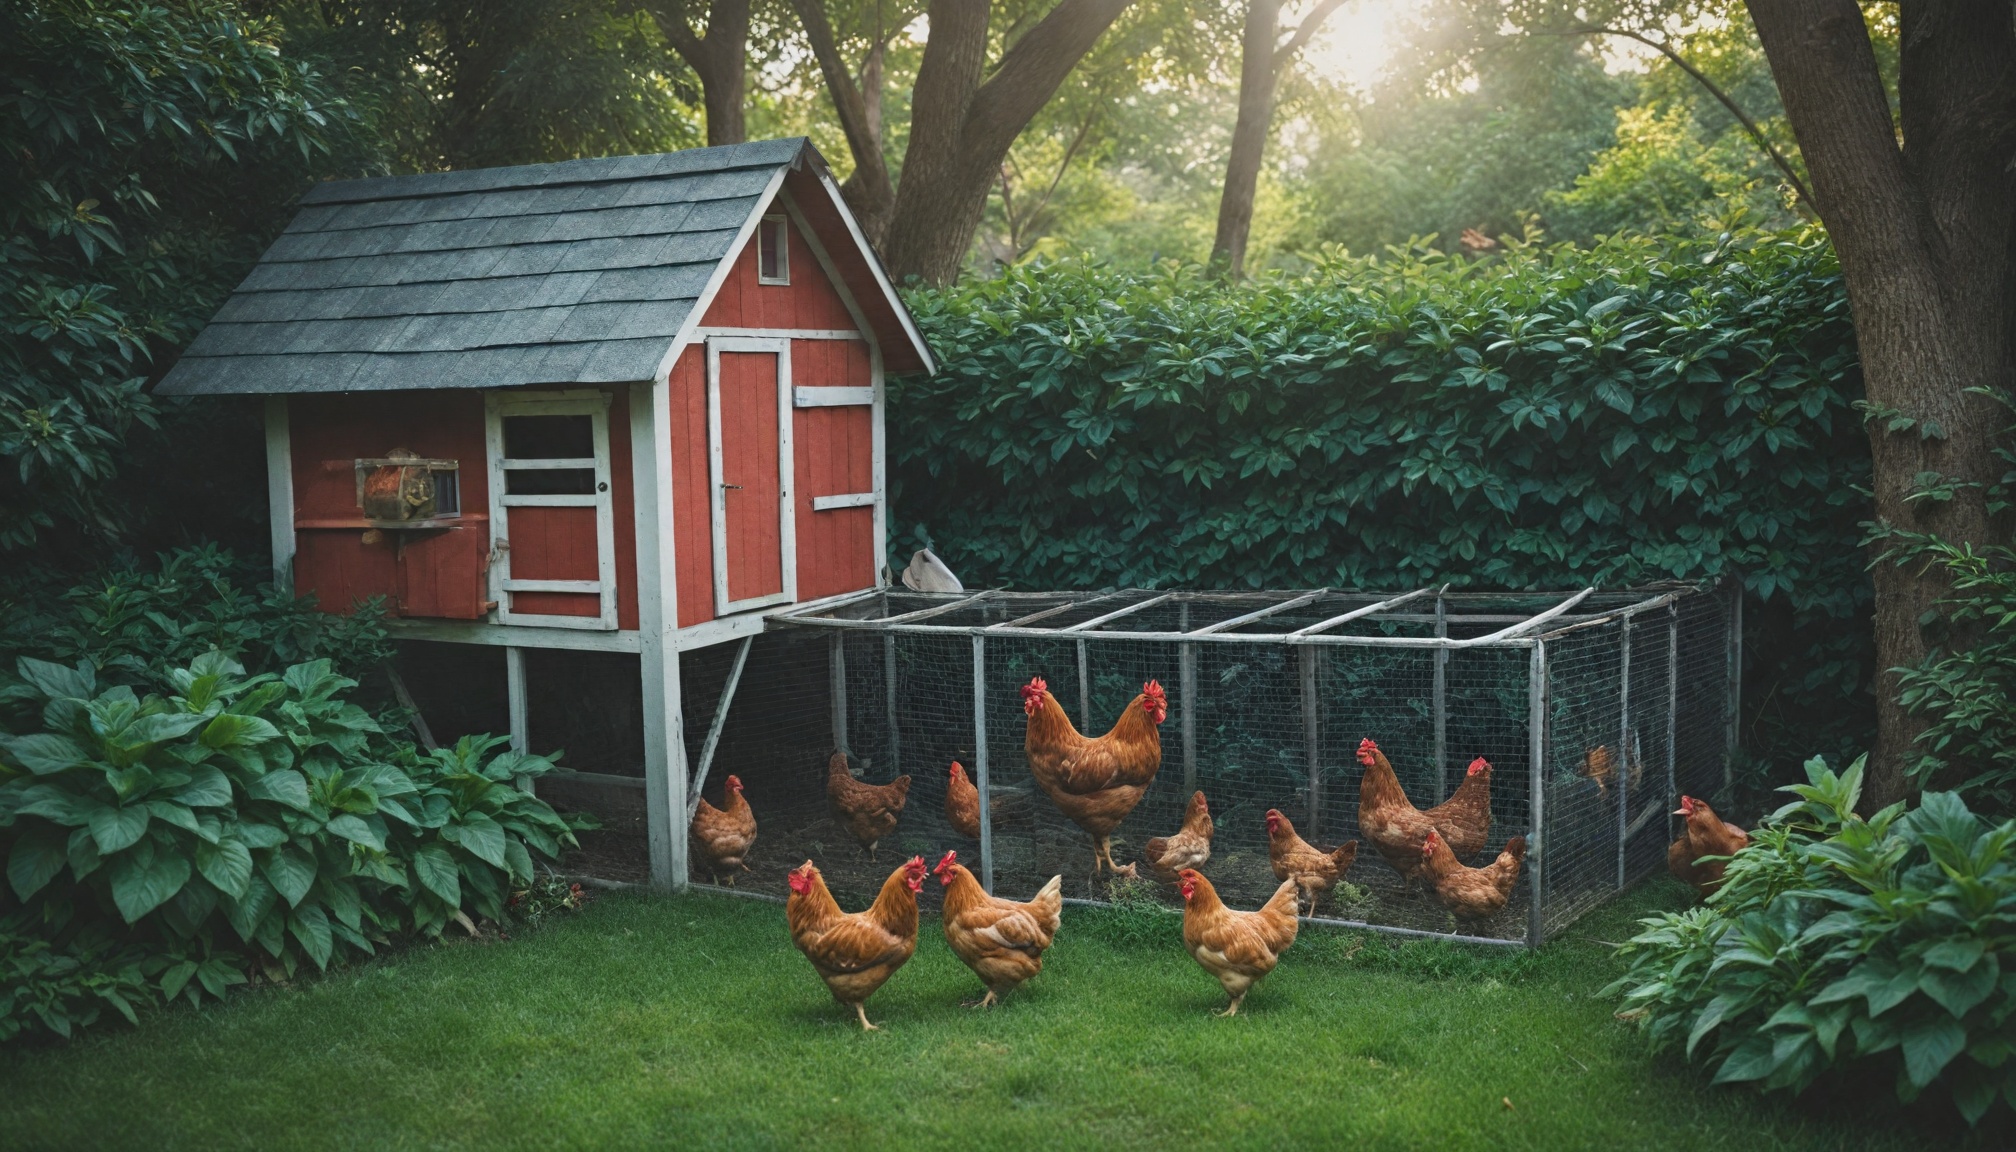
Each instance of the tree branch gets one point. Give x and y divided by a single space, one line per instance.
1031 71
1778 158
671 18
1304 32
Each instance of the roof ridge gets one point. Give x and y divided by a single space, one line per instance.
591 170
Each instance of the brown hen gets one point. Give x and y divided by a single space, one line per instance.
855 952
722 837
1188 848
868 811
1314 871
1002 941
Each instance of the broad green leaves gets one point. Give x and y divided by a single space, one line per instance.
1547 418
1837 938
260 813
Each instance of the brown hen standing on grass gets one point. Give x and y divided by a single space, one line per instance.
1705 834
1397 829
724 835
1313 871
855 952
1237 947
1188 848
1002 941
1472 893
867 811
1094 782
962 803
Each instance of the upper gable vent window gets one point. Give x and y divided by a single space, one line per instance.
773 257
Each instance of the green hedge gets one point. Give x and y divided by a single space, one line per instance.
1644 409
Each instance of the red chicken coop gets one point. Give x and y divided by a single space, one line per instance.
571 424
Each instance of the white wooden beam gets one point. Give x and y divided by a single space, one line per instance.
280 491
665 784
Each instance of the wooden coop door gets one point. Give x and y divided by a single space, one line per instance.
553 558
749 457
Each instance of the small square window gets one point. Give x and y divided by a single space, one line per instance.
773 258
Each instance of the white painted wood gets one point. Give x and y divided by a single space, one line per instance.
576 464
1356 613
514 693
594 404
552 500
689 328
665 784
581 586
850 500
772 231
1248 618
519 635
783 333
787 530
833 397
1117 613
878 466
280 492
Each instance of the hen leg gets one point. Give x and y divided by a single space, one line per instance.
1231 1009
861 1012
987 1001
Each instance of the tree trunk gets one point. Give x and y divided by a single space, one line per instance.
961 129
869 192
1257 81
718 58
1925 234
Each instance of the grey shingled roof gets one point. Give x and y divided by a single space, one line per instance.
579 272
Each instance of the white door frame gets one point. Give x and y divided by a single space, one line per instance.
593 403
787 525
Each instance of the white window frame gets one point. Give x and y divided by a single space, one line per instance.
787 519
594 404
775 228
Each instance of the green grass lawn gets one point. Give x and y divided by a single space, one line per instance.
692 1022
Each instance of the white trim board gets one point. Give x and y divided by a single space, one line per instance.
848 500
830 396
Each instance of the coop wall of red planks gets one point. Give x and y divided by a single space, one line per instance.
437 573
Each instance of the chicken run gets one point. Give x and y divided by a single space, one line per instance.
1482 765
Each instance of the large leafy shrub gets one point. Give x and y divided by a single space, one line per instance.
1647 408
240 822
151 149
1838 943
132 623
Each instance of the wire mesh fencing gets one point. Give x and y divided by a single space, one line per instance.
1594 713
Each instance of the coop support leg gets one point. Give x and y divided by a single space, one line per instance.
889 703
1312 734
658 623
1536 752
1441 703
1623 757
515 697
1672 714
836 675
1735 705
1187 666
713 740
280 492
1084 685
980 762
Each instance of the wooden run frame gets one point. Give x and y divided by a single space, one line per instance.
1242 617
